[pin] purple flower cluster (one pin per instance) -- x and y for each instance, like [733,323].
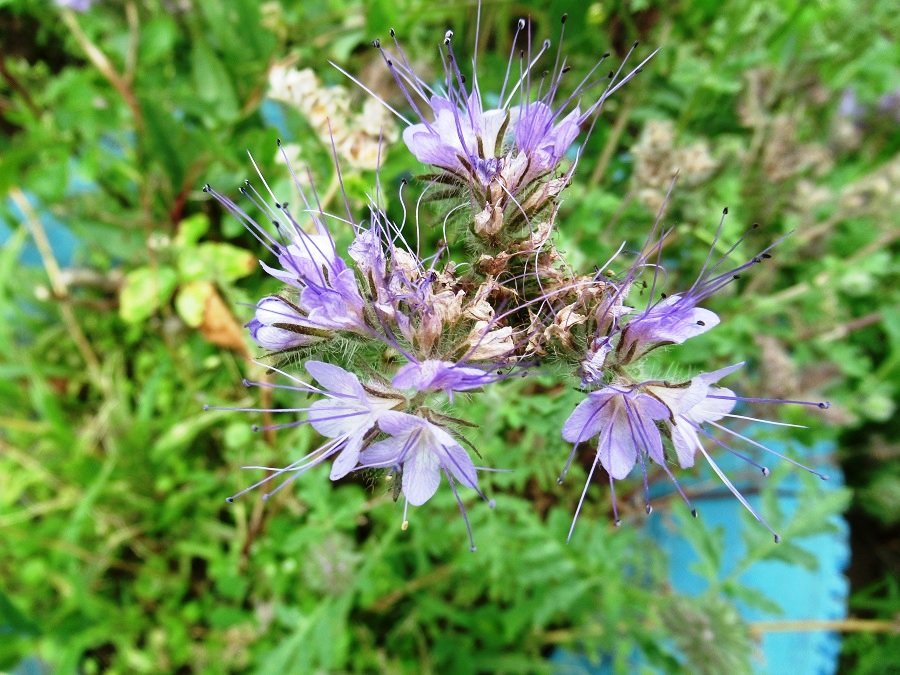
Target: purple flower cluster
[414,332]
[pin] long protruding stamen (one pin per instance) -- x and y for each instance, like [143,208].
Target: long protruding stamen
[642,444]
[372,94]
[615,505]
[764,470]
[769,450]
[737,494]
[462,510]
[681,492]
[823,405]
[525,77]
[587,484]
[760,420]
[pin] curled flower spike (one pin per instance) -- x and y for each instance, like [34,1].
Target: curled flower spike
[498,151]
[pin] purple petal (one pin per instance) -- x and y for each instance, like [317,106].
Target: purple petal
[348,458]
[336,417]
[616,448]
[398,423]
[460,465]
[685,441]
[716,375]
[587,419]
[336,379]
[383,453]
[421,475]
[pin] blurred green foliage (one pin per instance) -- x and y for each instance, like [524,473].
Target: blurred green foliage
[118,551]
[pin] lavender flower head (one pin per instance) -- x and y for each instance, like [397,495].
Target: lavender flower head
[394,338]
[499,151]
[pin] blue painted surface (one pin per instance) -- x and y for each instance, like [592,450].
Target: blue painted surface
[62,241]
[802,594]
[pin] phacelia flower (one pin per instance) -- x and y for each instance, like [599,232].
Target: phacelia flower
[632,422]
[347,414]
[423,451]
[434,375]
[498,149]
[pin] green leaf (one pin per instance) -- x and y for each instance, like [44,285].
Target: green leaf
[13,622]
[190,303]
[144,291]
[215,261]
[213,83]
[190,229]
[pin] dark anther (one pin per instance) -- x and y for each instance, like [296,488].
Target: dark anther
[230,500]
[254,428]
[277,205]
[245,382]
[563,18]
[393,34]
[276,224]
[376,43]
[284,205]
[649,509]
[824,405]
[566,69]
[278,142]
[693,513]
[636,42]
[605,56]
[390,63]
[610,76]
[736,276]
[701,323]
[462,78]
[242,190]
[521,24]
[766,255]
[207,187]
[663,295]
[777,539]
[247,181]
[754,226]
[725,211]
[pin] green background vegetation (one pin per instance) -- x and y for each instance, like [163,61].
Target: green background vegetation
[117,550]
